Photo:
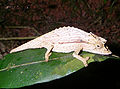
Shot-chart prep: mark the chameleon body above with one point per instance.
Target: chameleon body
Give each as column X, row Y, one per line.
column 68, row 39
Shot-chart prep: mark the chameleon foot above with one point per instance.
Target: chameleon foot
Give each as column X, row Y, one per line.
column 84, row 60
column 48, row 53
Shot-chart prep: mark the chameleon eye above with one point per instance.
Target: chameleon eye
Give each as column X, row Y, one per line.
column 98, row 46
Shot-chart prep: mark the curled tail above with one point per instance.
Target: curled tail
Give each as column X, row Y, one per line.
column 36, row 43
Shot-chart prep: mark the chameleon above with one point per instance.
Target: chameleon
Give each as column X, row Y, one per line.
column 68, row 39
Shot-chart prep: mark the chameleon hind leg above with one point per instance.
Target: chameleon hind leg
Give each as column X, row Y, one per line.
column 76, row 55
column 48, row 53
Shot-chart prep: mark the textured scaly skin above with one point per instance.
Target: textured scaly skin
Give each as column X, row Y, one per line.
column 68, row 39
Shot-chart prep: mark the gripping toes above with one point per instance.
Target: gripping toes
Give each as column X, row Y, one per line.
column 84, row 60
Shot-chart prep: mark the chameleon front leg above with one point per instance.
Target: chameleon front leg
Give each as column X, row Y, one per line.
column 48, row 53
column 76, row 55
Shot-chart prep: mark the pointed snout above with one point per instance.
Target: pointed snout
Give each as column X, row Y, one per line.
column 107, row 51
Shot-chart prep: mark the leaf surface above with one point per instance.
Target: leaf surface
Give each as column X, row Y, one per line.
column 28, row 67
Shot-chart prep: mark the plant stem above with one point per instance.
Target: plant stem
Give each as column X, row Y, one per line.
column 20, row 38
column 20, row 27
column 17, row 38
column 21, row 65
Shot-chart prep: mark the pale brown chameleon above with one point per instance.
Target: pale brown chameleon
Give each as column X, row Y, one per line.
column 68, row 39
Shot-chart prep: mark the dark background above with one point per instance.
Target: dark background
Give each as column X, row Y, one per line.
column 102, row 17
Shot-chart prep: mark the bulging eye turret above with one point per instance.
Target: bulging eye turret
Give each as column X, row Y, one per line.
column 98, row 46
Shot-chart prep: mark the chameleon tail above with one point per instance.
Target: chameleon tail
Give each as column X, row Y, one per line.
column 36, row 43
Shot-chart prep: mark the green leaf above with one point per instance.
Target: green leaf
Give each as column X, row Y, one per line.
column 28, row 67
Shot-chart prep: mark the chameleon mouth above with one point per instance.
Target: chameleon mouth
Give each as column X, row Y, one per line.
column 108, row 52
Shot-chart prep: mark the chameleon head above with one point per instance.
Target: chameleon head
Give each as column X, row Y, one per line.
column 97, row 45
column 97, row 48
